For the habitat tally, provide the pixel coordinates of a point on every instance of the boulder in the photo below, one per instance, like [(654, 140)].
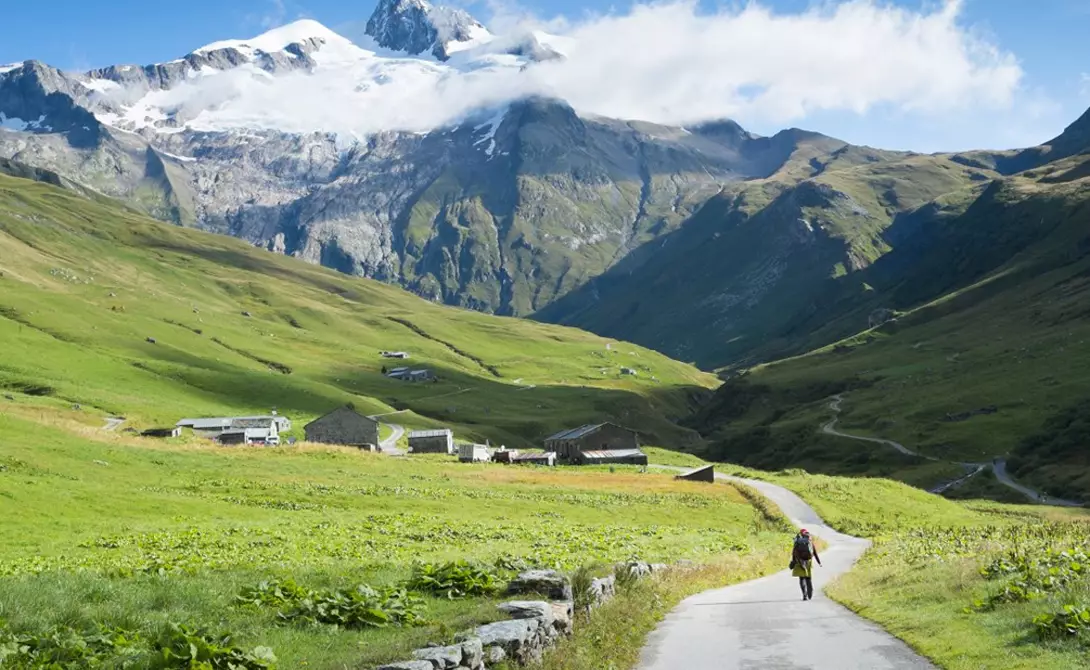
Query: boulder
[(549, 583), (562, 617), (522, 640), (467, 654), (603, 589)]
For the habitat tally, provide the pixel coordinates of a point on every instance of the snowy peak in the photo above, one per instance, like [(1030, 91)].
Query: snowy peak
[(305, 33), (416, 27)]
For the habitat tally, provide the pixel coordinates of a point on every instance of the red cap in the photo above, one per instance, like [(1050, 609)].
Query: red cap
[(804, 532)]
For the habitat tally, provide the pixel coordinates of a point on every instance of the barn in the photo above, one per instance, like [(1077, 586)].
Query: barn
[(570, 444), (431, 441), (346, 426)]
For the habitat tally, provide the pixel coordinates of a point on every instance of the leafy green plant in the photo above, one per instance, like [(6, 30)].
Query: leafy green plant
[(197, 649), (360, 607), (64, 647), (457, 579), (1071, 621)]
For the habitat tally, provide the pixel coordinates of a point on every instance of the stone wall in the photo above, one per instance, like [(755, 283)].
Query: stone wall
[(533, 627)]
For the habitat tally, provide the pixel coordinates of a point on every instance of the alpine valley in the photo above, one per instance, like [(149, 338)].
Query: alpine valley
[(919, 284)]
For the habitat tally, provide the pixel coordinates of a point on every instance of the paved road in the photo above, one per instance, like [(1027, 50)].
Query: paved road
[(765, 625), (830, 429), (998, 466), (389, 445)]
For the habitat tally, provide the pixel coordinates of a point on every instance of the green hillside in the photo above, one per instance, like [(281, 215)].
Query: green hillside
[(988, 356), (105, 308), (729, 282)]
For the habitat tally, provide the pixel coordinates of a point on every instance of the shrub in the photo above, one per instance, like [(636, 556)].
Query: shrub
[(1071, 621), (457, 579), (359, 607)]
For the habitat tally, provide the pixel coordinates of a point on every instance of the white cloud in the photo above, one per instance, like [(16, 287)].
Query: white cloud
[(668, 63)]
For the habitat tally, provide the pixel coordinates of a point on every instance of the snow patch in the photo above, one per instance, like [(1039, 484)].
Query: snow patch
[(101, 85), (183, 159), (493, 124), (4, 69)]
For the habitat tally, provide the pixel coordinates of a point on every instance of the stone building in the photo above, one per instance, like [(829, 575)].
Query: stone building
[(431, 441), (346, 426), (569, 445)]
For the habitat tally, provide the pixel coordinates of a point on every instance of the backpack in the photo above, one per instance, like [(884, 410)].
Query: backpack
[(803, 550)]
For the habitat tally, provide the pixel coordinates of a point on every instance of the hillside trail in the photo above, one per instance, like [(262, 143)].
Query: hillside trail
[(112, 423), (998, 466), (765, 623), (389, 445)]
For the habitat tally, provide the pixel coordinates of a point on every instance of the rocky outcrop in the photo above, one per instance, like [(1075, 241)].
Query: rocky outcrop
[(416, 27)]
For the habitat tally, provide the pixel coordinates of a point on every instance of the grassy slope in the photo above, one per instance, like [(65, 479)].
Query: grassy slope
[(84, 284), (1014, 336), (757, 256)]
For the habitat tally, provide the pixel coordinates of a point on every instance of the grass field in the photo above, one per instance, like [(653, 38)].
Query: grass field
[(105, 528)]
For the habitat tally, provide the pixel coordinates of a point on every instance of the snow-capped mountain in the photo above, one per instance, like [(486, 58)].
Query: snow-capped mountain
[(416, 27), (416, 155)]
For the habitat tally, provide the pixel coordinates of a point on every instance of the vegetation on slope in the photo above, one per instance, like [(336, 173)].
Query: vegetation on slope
[(105, 528), (993, 362), (107, 309)]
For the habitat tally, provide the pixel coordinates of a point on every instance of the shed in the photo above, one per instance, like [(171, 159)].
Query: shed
[(702, 474), (346, 426), (262, 436), (535, 458), (568, 444), (395, 354), (626, 456), (213, 426), (474, 453), (176, 431), (431, 441), (504, 455)]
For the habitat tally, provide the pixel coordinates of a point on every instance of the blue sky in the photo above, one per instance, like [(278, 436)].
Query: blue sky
[(1047, 37)]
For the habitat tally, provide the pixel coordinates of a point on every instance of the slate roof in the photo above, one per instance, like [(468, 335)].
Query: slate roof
[(615, 453), (576, 433), (225, 422), (445, 432)]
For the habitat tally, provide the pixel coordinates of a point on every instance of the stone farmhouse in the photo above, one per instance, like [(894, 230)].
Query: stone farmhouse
[(595, 444), (345, 426), (239, 429), (431, 441)]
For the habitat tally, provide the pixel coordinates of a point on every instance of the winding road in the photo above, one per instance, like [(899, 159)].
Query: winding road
[(764, 624), (998, 466), (389, 445)]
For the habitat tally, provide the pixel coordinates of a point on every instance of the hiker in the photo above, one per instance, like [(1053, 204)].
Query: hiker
[(803, 555)]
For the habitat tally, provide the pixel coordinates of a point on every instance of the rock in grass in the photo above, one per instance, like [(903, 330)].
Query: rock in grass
[(467, 654), (603, 589), (522, 640), (549, 583), (562, 616)]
